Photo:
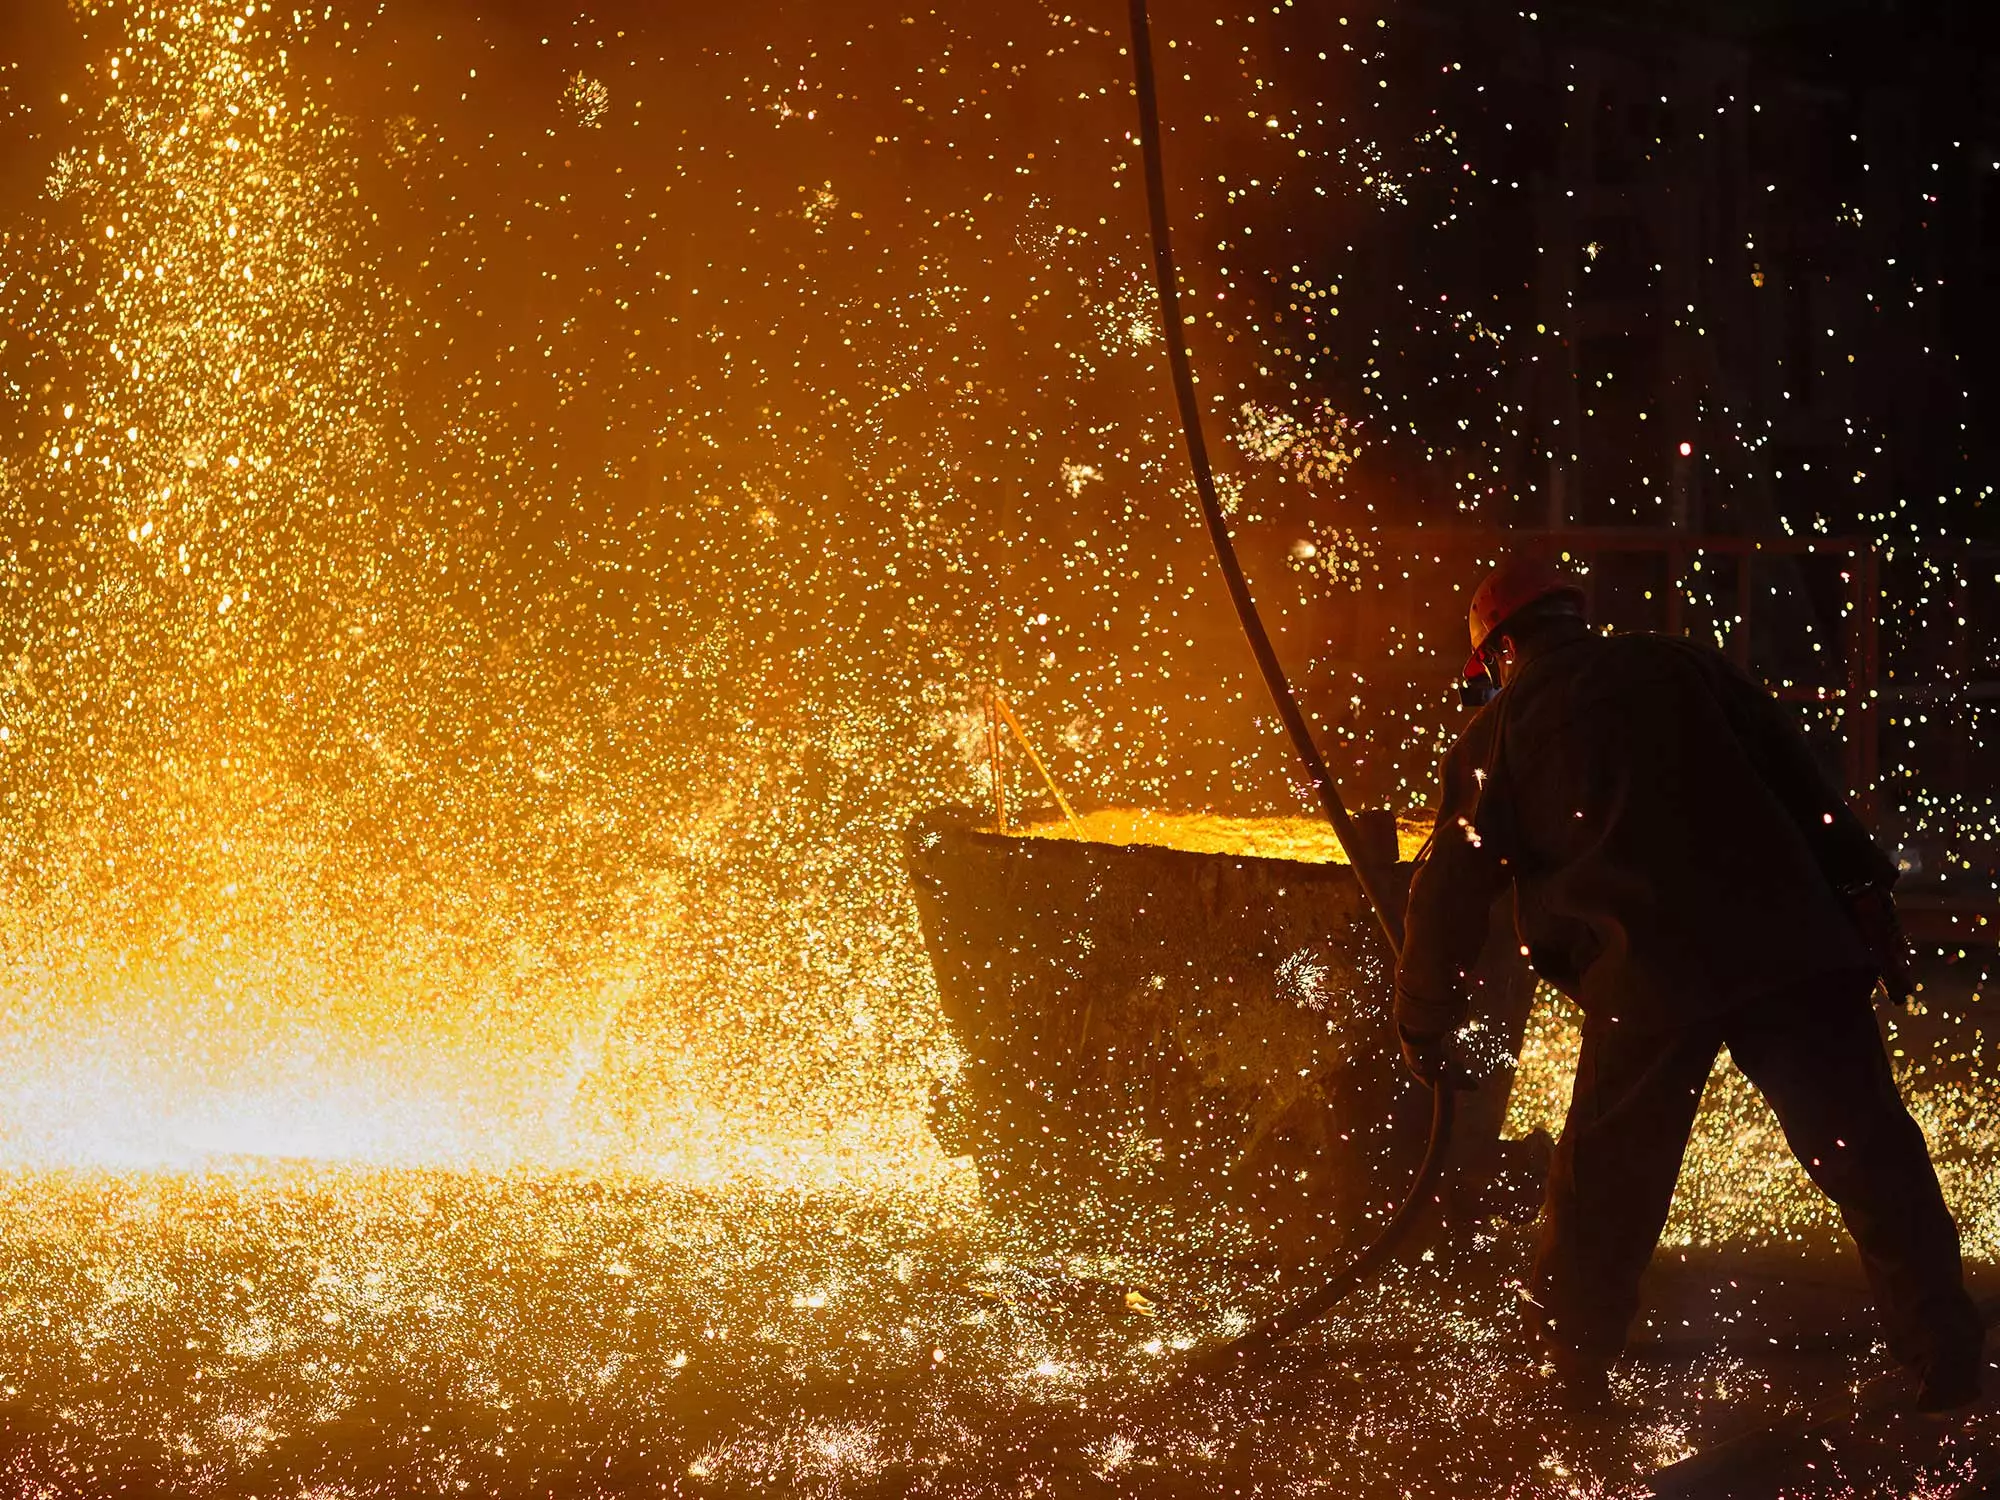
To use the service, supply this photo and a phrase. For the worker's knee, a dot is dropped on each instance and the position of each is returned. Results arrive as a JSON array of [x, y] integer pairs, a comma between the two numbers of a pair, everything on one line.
[[1872, 1152]]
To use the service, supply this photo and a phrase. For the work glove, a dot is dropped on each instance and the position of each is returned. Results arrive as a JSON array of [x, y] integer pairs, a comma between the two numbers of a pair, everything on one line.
[[1873, 912], [1427, 1057]]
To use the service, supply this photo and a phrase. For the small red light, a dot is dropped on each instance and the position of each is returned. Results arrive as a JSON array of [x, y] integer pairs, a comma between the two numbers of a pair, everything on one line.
[[1686, 449]]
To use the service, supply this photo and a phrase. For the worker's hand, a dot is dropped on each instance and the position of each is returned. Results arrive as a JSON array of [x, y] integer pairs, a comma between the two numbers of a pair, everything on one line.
[[1873, 911], [1427, 1057]]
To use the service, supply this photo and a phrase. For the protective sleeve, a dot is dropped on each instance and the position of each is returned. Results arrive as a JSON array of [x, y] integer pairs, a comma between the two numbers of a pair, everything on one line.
[[1451, 896], [1776, 745]]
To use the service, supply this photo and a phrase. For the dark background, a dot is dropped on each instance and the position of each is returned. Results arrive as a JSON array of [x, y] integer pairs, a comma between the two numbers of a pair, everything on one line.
[[1564, 243]]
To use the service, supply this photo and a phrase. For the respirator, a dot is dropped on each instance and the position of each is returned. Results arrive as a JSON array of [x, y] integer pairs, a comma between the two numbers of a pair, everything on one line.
[[1481, 682]]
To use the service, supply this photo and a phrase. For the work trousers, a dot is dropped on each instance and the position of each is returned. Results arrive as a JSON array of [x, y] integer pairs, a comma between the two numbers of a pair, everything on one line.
[[1817, 1058]]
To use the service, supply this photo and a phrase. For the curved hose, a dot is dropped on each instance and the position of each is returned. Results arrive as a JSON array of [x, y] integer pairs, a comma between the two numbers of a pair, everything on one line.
[[1282, 1325], [1289, 1321], [1211, 507]]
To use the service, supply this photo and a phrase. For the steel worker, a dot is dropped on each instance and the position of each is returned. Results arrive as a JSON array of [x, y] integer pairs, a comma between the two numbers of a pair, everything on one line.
[[1684, 872]]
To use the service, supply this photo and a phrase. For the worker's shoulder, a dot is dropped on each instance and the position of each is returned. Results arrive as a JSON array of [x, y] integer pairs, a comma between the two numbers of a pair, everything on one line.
[[1644, 657], [1631, 676], [1475, 740], [1667, 647], [1639, 652]]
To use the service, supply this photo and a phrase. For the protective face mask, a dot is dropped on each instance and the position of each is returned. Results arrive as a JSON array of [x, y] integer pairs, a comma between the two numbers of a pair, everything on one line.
[[1477, 692]]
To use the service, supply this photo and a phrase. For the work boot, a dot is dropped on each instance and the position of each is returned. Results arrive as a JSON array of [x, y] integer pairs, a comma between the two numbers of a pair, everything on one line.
[[1582, 1376], [1582, 1381], [1949, 1379], [1584, 1393], [1950, 1385]]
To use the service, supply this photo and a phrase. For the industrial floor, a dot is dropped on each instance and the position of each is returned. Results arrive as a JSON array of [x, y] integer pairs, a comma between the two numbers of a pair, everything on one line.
[[329, 1332]]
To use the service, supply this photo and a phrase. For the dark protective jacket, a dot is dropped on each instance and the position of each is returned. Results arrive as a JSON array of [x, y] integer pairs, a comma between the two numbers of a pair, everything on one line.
[[1674, 848]]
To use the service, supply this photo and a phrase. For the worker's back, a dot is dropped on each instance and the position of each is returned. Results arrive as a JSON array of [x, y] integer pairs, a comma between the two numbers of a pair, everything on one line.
[[1674, 847]]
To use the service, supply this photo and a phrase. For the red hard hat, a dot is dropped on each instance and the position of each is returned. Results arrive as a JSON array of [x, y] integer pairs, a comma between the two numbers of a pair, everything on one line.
[[1510, 588]]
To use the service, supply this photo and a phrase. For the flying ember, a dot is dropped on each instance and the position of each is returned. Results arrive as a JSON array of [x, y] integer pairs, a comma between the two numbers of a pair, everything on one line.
[[736, 753]]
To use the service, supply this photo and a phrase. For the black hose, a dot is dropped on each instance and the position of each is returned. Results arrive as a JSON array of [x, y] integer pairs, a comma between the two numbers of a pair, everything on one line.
[[1385, 1244], [1211, 507], [1282, 1325]]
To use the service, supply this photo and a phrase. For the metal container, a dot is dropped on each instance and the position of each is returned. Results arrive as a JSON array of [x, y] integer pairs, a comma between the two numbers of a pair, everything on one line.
[[1198, 1032]]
